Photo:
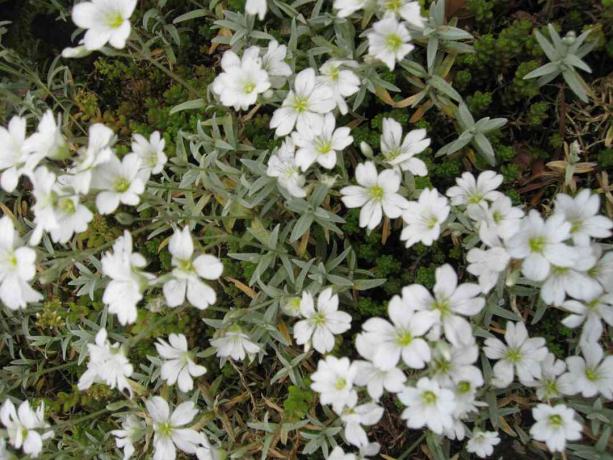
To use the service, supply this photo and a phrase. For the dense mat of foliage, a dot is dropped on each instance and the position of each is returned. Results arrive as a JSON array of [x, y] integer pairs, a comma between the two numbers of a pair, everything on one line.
[[314, 229]]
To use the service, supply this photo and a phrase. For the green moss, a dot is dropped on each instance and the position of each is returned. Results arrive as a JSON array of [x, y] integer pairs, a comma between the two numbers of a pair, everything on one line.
[[538, 113], [298, 402], [605, 159]]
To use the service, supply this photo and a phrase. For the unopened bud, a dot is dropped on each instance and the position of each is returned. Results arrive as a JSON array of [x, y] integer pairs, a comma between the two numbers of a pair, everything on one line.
[[366, 149]]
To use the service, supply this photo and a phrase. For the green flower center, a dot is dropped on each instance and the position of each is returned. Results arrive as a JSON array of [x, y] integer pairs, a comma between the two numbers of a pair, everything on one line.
[[537, 244], [429, 398], [463, 387], [165, 429], [334, 73], [301, 104], [442, 306], [591, 375], [497, 216], [324, 146], [186, 265], [67, 206], [555, 270], [122, 185], [249, 87], [12, 260], [550, 388], [114, 20], [576, 226], [392, 5], [513, 355], [377, 192], [294, 304], [441, 366], [475, 198], [404, 338], [555, 421], [393, 42], [340, 383], [319, 319], [391, 154], [431, 222]]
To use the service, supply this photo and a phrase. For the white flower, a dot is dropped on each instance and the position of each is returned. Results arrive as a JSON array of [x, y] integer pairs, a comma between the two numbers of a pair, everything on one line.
[[291, 306], [256, 7], [354, 417], [590, 312], [76, 51], [401, 153], [151, 154], [424, 218], [342, 82], [17, 268], [57, 209], [132, 430], [487, 265], [347, 7], [540, 244], [302, 105], [178, 366], [428, 405], [127, 283], [17, 153], [273, 62], [603, 269], [453, 366], [170, 431], [450, 303], [389, 41], [402, 338], [471, 192], [408, 10], [105, 21], [555, 425], [234, 343], [377, 194], [339, 454], [573, 281], [319, 141], [119, 182], [107, 364], [499, 220], [376, 380], [582, 214], [547, 386], [98, 151], [282, 165], [321, 323], [589, 375], [520, 353], [48, 141], [482, 443], [334, 380], [22, 425], [242, 79], [188, 271]]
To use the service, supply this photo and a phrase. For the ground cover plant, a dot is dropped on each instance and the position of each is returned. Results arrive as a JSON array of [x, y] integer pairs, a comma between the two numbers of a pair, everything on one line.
[[315, 229]]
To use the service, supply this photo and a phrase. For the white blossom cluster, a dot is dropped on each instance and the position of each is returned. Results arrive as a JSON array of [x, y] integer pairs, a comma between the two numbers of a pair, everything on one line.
[[429, 352]]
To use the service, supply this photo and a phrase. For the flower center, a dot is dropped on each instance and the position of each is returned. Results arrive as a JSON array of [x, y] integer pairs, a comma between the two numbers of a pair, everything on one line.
[[334, 73], [393, 42], [319, 319], [550, 388], [340, 383], [591, 375], [301, 104], [431, 222], [249, 87], [391, 154], [592, 304], [186, 265], [67, 206], [514, 355], [576, 226], [165, 429], [463, 387], [428, 397], [442, 306], [376, 192], [404, 338], [12, 259], [559, 271], [555, 421], [497, 216], [122, 185], [537, 244], [392, 5], [114, 20], [475, 198], [324, 146]]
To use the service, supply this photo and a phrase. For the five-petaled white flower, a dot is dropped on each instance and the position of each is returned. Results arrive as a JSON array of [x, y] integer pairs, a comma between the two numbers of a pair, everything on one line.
[[234, 344], [106, 21], [282, 165], [354, 417], [401, 153], [555, 425], [482, 443], [376, 194], [548, 386], [582, 214], [540, 244], [342, 82], [132, 430], [319, 141], [374, 378], [170, 431], [322, 322], [471, 192], [17, 153], [256, 7], [402, 338], [498, 220], [118, 182], [333, 380], [22, 425], [424, 218], [306, 103], [428, 405], [589, 312], [242, 79], [187, 273], [127, 283], [408, 10], [178, 364], [107, 364], [17, 268], [48, 140], [590, 374], [151, 154], [389, 41], [449, 304], [273, 62], [520, 353]]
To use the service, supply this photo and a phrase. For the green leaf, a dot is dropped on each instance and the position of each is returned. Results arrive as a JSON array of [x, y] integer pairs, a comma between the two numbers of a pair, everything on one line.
[[485, 148], [189, 16], [576, 84], [194, 104], [301, 226]]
